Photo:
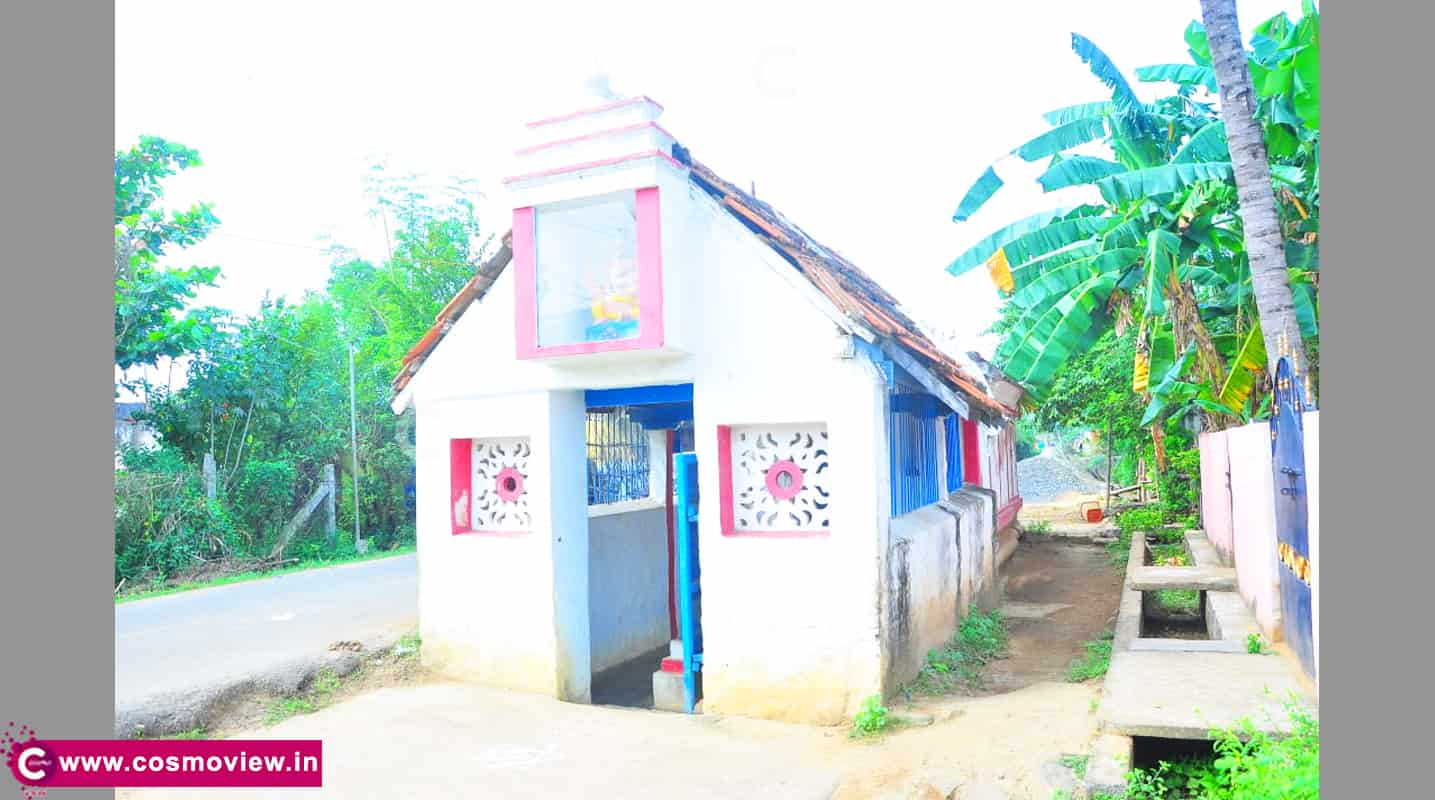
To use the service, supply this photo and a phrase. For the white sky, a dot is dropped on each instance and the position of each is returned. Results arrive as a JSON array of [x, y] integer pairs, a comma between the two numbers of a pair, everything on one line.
[[863, 128]]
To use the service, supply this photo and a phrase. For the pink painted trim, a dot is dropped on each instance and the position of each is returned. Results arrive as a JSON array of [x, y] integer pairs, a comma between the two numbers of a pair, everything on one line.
[[460, 460], [650, 269], [776, 489], [493, 534], [534, 148], [1007, 515], [650, 286], [606, 162], [813, 534], [729, 519], [725, 501], [627, 101], [525, 293]]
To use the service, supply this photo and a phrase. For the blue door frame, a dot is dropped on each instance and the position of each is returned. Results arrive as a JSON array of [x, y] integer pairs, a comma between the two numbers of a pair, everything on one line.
[[685, 480]]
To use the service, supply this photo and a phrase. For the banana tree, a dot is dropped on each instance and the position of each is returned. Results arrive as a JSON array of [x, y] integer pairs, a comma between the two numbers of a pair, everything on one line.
[[1163, 248]]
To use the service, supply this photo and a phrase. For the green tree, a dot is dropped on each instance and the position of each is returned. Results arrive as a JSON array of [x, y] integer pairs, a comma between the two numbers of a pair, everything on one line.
[[1163, 250], [151, 320], [1297, 71]]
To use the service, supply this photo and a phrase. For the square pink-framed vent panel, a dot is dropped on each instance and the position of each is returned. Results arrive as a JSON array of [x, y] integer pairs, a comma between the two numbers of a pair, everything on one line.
[[490, 483], [774, 480], [589, 275]]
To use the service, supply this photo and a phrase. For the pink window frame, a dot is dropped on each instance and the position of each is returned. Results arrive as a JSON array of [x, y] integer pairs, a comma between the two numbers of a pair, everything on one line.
[[725, 498], [460, 462], [650, 286]]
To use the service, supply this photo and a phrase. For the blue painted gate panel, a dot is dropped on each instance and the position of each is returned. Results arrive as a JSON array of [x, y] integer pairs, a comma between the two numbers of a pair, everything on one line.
[[690, 597], [1292, 535]]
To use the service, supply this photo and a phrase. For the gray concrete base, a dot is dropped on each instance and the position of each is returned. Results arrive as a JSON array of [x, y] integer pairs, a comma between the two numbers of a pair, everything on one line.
[[1186, 646], [668, 691], [1185, 695], [1110, 761], [1211, 579]]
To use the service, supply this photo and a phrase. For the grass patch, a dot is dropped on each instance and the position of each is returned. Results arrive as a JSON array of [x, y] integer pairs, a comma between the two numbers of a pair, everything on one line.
[[1040, 527], [980, 639], [1181, 601], [325, 686], [1076, 763], [251, 575], [1169, 555], [1096, 660]]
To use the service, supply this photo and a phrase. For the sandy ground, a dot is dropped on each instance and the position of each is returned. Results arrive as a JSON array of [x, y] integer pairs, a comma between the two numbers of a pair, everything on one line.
[[427, 738]]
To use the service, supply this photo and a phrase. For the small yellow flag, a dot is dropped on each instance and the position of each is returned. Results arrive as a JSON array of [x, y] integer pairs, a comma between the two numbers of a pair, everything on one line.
[[1001, 271], [1141, 377]]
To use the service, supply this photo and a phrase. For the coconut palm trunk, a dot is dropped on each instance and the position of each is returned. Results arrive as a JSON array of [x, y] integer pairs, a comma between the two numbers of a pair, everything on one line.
[[1265, 243]]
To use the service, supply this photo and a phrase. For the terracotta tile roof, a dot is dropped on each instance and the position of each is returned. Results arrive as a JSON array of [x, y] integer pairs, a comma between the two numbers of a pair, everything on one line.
[[854, 294]]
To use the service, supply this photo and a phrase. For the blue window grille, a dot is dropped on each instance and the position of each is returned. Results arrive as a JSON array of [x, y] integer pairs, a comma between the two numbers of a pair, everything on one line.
[[912, 437], [617, 457], [954, 452]]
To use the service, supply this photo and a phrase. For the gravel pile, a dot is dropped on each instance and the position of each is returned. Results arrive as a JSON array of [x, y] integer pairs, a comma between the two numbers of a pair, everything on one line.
[[1044, 478]]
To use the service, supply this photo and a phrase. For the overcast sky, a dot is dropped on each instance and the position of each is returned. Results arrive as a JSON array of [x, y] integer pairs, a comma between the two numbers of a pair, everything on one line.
[[863, 128]]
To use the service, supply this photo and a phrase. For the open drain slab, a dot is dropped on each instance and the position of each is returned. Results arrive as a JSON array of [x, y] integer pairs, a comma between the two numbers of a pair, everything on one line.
[[1211, 579], [1184, 695]]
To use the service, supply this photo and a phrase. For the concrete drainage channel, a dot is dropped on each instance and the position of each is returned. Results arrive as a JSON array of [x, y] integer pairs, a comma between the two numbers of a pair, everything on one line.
[[1164, 693], [175, 713]]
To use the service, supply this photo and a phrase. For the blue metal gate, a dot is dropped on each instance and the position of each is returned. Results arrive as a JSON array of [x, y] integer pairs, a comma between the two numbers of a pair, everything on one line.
[[1292, 537], [690, 596]]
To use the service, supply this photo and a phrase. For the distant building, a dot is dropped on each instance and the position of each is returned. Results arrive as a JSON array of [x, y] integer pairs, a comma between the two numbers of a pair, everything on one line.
[[131, 432]]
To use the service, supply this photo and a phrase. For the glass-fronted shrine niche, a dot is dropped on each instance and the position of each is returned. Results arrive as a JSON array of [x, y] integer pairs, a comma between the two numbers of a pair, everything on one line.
[[586, 264], [589, 275]]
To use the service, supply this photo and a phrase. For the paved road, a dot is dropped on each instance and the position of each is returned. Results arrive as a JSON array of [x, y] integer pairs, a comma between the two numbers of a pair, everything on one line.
[[190, 639]]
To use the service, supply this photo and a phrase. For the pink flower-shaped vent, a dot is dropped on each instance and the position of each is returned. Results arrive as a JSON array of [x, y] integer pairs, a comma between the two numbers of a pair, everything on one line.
[[508, 485], [784, 480]]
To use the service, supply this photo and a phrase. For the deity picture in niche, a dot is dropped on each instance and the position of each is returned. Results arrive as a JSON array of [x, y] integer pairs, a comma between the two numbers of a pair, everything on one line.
[[586, 269]]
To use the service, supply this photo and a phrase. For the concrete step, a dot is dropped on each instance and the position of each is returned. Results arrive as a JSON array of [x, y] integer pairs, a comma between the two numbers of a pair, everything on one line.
[[1203, 553], [1186, 695], [1211, 579], [1187, 645]]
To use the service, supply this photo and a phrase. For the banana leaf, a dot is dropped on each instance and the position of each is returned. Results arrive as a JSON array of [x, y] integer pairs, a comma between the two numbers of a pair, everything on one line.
[[1062, 137], [1184, 74], [977, 254], [1061, 116], [981, 191], [1048, 341], [1078, 170], [1105, 71], [1242, 377]]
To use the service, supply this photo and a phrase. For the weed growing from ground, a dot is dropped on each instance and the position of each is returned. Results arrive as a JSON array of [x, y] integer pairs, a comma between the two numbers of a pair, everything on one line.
[[1248, 765], [980, 639], [1077, 764], [872, 719], [1040, 527], [1183, 601], [1094, 663], [1255, 644]]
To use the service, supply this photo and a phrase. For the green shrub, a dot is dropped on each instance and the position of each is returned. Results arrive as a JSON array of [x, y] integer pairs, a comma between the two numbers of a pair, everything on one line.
[[871, 719], [1248, 765]]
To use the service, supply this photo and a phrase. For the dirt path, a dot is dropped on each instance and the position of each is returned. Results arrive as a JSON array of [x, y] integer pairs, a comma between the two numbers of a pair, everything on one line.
[[427, 738], [1050, 573]]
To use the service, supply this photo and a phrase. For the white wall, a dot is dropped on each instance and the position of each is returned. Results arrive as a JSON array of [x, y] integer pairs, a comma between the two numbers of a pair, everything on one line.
[[490, 609], [627, 585], [939, 568]]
